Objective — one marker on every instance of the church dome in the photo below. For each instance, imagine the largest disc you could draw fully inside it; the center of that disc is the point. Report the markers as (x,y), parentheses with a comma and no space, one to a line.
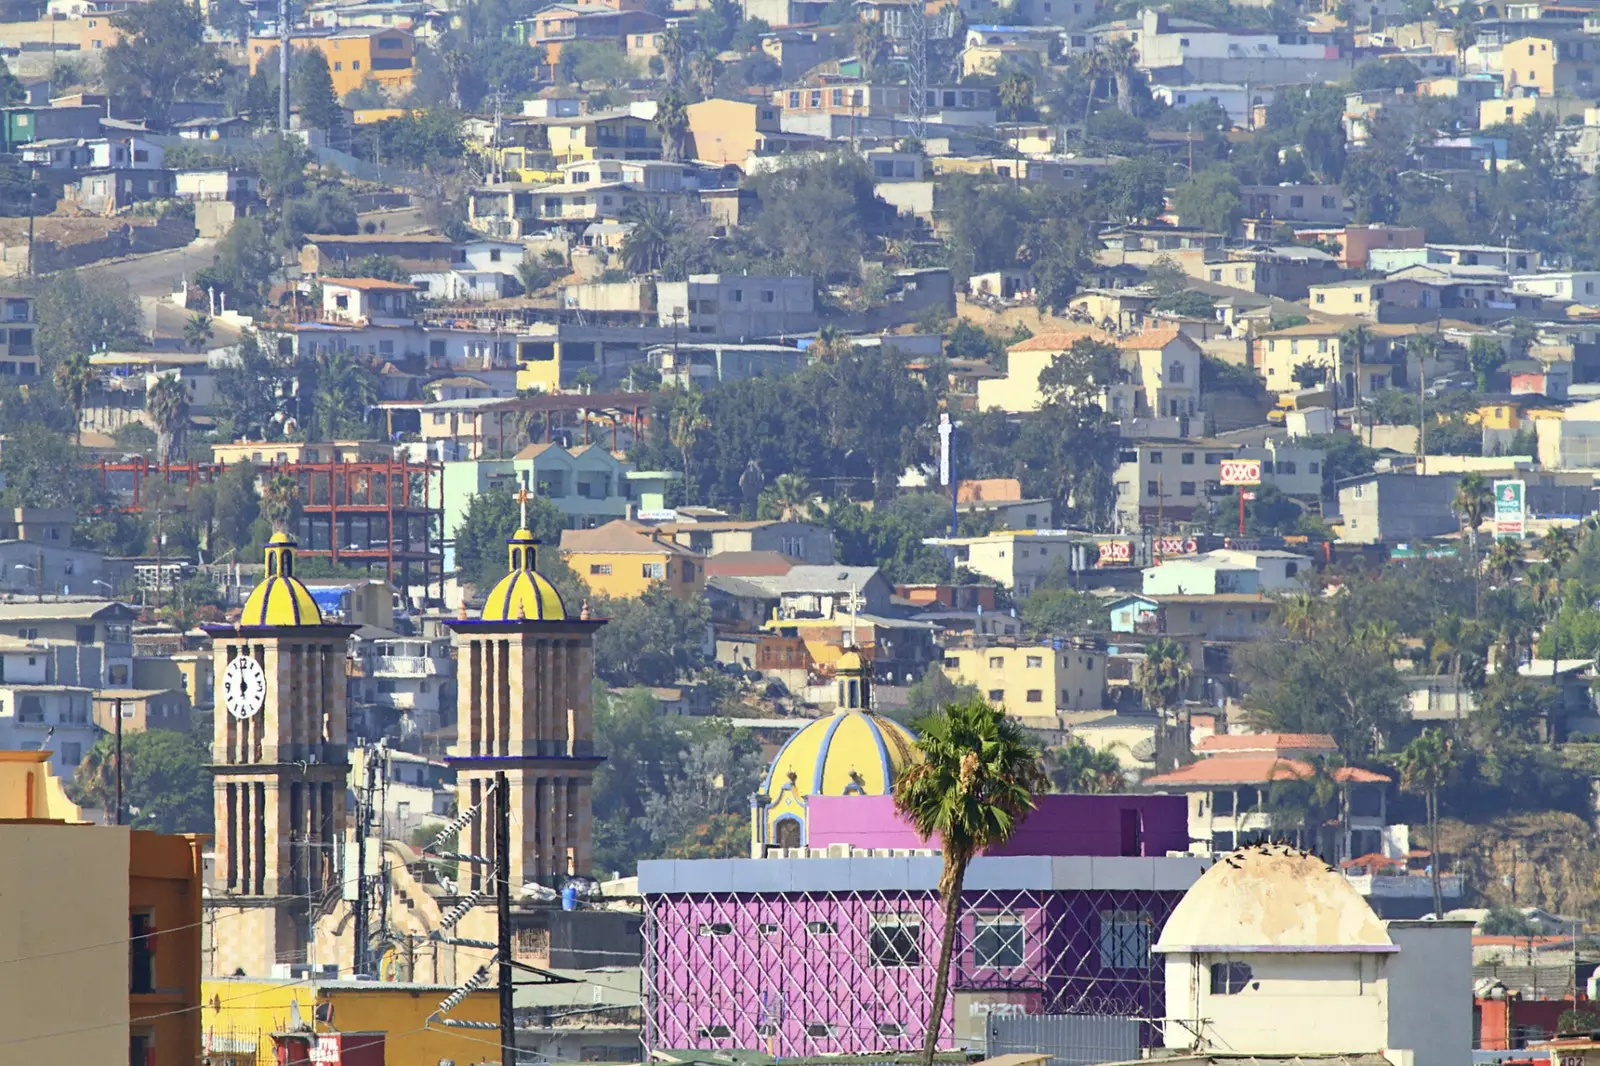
(852,752)
(280,599)
(523,594)
(1271,897)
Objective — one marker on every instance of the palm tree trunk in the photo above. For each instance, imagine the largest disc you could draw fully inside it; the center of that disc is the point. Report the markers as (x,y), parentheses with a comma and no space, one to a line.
(1433,846)
(955,873)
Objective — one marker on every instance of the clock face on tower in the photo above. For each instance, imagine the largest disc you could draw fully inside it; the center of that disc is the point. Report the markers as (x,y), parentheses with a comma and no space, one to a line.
(244,687)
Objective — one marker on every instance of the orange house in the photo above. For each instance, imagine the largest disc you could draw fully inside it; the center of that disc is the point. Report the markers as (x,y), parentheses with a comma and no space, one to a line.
(386,54)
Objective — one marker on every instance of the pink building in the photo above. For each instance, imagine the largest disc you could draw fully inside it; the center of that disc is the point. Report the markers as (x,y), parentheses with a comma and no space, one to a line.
(834,952)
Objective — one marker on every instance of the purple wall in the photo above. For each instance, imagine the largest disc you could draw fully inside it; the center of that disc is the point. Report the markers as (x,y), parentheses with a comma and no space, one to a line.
(1061,825)
(797,974)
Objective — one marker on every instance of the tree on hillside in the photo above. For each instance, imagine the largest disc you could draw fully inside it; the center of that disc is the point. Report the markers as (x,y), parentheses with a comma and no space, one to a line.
(84,313)
(672,123)
(167,401)
(162,54)
(655,638)
(975,783)
(1077,768)
(491,518)
(72,376)
(1210,200)
(1426,765)
(251,390)
(197,332)
(165,784)
(313,91)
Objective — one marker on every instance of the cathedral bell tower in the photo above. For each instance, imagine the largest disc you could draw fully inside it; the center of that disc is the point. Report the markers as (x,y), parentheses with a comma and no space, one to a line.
(523,676)
(279,768)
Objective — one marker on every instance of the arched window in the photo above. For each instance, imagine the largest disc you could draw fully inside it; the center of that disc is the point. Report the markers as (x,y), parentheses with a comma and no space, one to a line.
(788,833)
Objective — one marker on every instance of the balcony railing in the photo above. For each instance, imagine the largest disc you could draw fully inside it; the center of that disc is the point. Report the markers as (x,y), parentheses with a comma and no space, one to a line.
(405,666)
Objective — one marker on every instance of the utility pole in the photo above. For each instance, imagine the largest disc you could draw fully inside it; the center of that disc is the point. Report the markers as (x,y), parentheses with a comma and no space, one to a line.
(502,902)
(116,712)
(283,66)
(363,934)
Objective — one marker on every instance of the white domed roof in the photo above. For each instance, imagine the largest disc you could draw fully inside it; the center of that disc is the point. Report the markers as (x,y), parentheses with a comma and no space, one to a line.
(1272,897)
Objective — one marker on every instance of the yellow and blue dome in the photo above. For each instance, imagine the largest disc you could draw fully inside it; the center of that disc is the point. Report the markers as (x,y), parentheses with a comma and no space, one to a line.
(853,752)
(280,599)
(524,594)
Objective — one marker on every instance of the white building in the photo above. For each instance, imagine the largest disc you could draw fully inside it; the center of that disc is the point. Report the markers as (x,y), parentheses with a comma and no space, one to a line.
(1236,100)
(1272,953)
(59,718)
(1579,285)
(737,305)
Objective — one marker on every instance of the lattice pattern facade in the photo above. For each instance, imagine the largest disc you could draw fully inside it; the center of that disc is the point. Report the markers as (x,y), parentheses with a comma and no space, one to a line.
(847,971)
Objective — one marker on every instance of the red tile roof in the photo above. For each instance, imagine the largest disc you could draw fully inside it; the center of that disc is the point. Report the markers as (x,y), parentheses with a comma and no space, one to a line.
(1265,742)
(1250,770)
(1148,339)
(1059,340)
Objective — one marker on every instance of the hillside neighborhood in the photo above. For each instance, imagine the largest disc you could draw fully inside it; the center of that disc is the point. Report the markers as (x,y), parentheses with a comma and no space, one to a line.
(728,532)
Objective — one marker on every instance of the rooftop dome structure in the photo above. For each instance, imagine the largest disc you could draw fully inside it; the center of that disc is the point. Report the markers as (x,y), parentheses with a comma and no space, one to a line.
(524,594)
(280,599)
(1272,898)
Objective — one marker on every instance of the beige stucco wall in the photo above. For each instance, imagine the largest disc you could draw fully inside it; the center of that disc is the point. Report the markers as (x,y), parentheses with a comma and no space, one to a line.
(64,934)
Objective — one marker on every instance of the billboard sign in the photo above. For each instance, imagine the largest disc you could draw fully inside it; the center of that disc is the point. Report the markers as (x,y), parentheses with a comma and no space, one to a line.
(1241,471)
(1510,510)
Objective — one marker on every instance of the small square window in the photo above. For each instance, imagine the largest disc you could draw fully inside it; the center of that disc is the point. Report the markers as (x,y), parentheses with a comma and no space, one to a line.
(1035,695)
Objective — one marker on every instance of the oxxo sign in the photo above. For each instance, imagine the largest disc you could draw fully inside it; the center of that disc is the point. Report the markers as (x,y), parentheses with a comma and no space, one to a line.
(1241,471)
(1168,546)
(1116,552)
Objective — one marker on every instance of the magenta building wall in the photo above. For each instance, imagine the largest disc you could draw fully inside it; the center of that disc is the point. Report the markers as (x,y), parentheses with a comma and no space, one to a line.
(815,955)
(1060,825)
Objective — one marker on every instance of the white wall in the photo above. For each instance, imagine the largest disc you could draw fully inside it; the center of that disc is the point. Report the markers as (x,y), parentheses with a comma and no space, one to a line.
(1430,998)
(1295,1003)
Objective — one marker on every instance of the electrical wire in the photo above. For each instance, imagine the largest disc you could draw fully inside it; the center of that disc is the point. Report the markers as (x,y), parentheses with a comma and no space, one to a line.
(301,897)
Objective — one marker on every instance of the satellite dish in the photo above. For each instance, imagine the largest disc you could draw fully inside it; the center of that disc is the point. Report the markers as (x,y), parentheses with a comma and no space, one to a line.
(295,1021)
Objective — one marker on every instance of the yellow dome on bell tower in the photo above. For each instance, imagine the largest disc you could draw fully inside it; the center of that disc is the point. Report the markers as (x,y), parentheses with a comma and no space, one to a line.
(524,594)
(280,599)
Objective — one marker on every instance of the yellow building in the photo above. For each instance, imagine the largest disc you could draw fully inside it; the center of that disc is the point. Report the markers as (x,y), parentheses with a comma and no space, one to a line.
(1032,680)
(620,559)
(101,960)
(388,56)
(240,1014)
(297,451)
(1544,66)
(854,752)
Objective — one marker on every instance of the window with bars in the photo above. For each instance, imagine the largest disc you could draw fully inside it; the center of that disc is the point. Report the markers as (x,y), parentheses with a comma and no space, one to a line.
(998,941)
(896,940)
(1124,940)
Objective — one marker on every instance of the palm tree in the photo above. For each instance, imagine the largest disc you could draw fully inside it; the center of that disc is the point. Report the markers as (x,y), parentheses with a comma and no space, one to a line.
(1162,678)
(1426,766)
(672,123)
(1302,615)
(1504,559)
(1305,802)
(687,420)
(1016,96)
(1354,340)
(1076,767)
(974,784)
(168,405)
(1557,547)
(345,392)
(647,244)
(674,49)
(197,332)
(1121,56)
(704,68)
(1451,639)
(280,501)
(1471,505)
(72,378)
(1092,65)
(791,498)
